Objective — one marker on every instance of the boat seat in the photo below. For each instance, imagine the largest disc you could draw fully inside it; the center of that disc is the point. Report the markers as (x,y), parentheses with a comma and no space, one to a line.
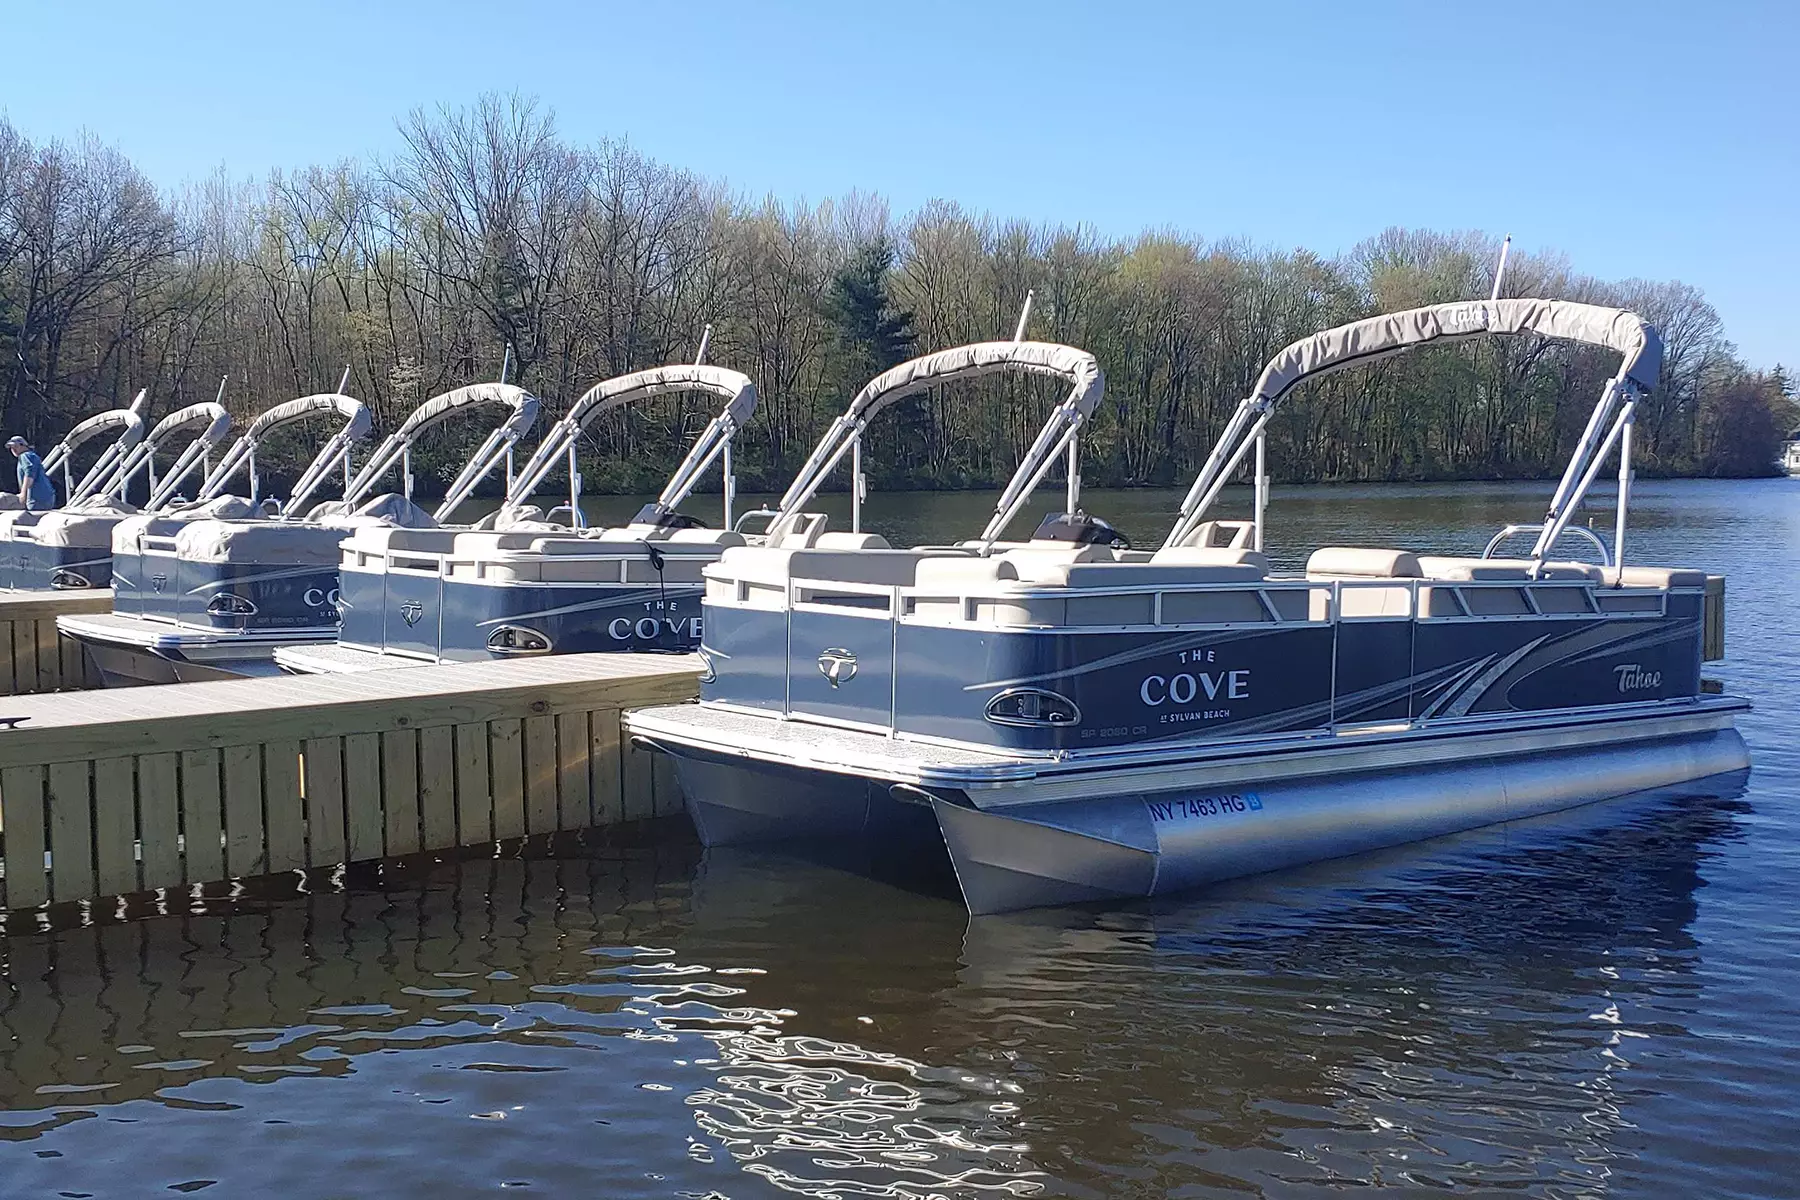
(771,566)
(1220,535)
(1477,569)
(1660,577)
(708,537)
(1211,556)
(851,541)
(1359,562)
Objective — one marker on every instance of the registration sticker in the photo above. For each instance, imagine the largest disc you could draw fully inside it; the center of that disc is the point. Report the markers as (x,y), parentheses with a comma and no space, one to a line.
(1193,808)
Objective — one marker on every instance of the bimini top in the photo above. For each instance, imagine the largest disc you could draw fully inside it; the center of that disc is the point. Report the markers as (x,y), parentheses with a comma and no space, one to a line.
(1396,333)
(242,454)
(734,387)
(1376,338)
(206,422)
(518,406)
(124,422)
(1075,367)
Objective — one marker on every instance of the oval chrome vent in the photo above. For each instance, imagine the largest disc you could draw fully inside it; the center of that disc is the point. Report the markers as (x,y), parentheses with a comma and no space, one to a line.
(517,640)
(229,604)
(69,580)
(1033,708)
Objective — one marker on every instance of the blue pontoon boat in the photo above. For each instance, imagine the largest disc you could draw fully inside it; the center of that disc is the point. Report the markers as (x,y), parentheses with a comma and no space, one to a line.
(1082,721)
(71,547)
(246,587)
(525,582)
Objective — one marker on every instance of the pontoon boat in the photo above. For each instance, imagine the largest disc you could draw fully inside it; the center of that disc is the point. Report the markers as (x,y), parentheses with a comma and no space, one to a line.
(170,608)
(1084,722)
(20,564)
(518,584)
(71,547)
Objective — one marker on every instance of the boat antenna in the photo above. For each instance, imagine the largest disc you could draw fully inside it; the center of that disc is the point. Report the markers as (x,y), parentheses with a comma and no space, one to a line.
(705,338)
(1500,270)
(137,402)
(344,380)
(1024,316)
(506,362)
(220,397)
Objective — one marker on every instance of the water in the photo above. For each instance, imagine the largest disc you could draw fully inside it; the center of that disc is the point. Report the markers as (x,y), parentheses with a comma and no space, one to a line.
(1597,1004)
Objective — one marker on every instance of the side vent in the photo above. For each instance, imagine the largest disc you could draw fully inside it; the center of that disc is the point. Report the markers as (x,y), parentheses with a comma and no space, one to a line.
(515,641)
(69,580)
(1032,708)
(228,604)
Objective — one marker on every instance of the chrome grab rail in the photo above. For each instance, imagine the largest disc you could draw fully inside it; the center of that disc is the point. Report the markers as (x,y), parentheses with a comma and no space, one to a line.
(1514,530)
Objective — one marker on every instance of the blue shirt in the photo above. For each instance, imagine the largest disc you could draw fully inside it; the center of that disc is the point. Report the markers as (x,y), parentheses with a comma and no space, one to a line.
(34,483)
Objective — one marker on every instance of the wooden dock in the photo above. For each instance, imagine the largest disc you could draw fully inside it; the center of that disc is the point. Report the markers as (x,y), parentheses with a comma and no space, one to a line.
(34,658)
(112,792)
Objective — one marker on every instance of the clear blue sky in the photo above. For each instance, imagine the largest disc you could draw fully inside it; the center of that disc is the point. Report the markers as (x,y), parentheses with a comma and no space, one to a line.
(1643,139)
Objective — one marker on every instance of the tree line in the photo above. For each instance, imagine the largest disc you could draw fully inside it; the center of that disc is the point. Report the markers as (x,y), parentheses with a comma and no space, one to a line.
(487,236)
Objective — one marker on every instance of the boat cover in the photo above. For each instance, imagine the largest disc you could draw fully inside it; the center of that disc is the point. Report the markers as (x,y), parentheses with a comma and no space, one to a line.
(269,543)
(1396,333)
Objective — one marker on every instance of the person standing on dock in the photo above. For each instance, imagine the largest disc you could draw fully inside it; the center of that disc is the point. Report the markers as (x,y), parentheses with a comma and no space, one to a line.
(35,489)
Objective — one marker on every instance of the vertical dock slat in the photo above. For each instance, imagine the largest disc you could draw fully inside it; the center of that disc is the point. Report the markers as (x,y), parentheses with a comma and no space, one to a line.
(573,746)
(540,774)
(71,668)
(24,647)
(71,831)
(474,791)
(115,825)
(324,782)
(506,760)
(22,820)
(49,655)
(636,783)
(400,790)
(437,787)
(245,852)
(159,819)
(362,796)
(284,811)
(606,804)
(202,817)
(7,681)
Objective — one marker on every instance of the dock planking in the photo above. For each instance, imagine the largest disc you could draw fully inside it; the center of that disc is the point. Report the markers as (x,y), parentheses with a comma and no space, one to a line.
(34,657)
(112,792)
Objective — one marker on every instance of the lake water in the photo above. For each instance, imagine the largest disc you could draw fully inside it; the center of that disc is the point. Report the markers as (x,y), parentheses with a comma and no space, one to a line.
(1601,1004)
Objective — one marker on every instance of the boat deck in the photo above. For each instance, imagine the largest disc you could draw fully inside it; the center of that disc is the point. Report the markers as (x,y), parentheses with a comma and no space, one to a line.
(1009,778)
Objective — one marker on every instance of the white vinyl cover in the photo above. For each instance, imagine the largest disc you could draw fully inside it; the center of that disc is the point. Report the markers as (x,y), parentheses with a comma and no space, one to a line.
(1396,333)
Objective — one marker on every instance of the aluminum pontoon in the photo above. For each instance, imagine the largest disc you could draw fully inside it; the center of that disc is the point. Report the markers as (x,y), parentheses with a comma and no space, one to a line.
(1082,722)
(19,561)
(71,547)
(520,584)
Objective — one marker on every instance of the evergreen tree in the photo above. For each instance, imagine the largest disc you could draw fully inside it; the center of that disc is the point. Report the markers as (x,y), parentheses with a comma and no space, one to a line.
(868,325)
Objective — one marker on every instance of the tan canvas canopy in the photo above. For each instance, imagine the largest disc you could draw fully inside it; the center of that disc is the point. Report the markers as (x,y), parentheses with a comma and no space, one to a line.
(1396,333)
(734,387)
(1077,368)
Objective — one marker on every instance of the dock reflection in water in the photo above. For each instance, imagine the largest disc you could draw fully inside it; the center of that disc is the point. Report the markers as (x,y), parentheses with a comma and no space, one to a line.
(643,1020)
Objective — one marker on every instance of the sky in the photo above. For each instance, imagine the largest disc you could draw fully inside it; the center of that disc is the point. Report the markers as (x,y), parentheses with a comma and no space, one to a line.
(1646,139)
